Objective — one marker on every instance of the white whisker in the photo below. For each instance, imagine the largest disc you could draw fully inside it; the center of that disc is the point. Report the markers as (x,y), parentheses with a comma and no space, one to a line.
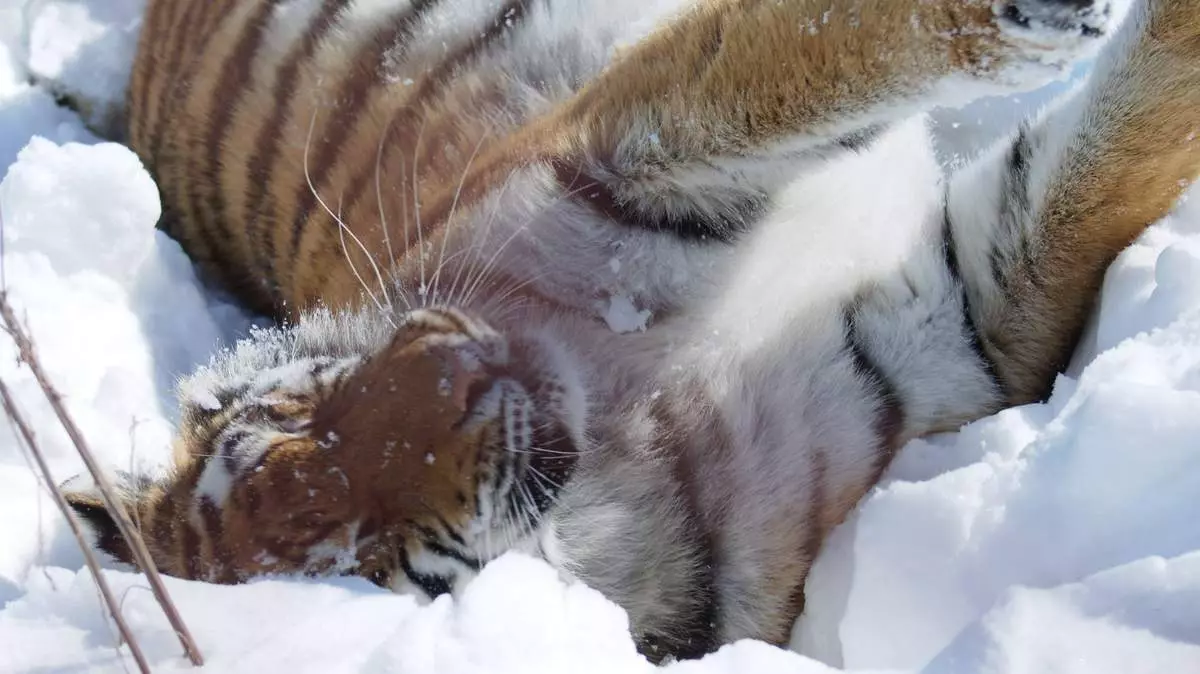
(454,207)
(531,509)
(468,295)
(508,292)
(542,476)
(423,289)
(486,232)
(387,238)
(534,450)
(343,229)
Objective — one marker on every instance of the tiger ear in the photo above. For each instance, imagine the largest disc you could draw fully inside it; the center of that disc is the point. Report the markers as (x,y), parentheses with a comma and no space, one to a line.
(88,503)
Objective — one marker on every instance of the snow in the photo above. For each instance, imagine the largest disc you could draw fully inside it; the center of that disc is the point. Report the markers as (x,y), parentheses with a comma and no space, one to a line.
(1053,537)
(622,315)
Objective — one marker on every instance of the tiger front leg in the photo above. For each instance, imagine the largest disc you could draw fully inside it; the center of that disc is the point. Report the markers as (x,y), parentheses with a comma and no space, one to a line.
(727,77)
(695,126)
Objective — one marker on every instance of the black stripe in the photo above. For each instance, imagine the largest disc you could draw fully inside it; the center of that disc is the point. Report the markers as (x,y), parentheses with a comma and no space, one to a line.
(220,567)
(692,635)
(319,367)
(449,531)
(180,66)
(889,417)
(261,209)
(234,79)
(200,461)
(163,529)
(227,397)
(430,584)
(814,532)
(506,470)
(159,17)
(230,444)
(432,540)
(969,328)
(477,478)
(189,542)
(449,553)
(1014,210)
(719,227)
(174,141)
(163,523)
(1019,154)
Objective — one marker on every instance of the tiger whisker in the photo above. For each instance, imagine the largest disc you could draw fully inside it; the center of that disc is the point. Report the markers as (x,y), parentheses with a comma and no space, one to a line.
(551,494)
(477,284)
(454,207)
(433,293)
(486,232)
(342,226)
(497,311)
(531,511)
(477,274)
(387,238)
(533,451)
(404,205)
(513,288)
(423,289)
(542,476)
(346,253)
(523,494)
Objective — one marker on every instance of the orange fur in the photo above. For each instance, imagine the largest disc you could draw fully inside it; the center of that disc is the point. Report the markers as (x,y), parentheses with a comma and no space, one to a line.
(301,494)
(727,77)
(1097,207)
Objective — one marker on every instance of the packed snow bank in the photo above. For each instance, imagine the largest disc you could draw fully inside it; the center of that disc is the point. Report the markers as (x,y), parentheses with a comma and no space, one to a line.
(1058,537)
(108,302)
(77,49)
(1096,488)
(516,618)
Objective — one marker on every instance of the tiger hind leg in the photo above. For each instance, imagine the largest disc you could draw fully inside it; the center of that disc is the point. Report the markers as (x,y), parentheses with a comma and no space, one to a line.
(1072,189)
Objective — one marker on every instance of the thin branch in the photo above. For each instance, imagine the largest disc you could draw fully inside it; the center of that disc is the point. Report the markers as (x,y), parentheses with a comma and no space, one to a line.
(112,502)
(15,417)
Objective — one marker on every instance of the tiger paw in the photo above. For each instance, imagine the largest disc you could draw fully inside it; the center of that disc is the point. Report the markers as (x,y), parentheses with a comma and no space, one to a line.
(1057,32)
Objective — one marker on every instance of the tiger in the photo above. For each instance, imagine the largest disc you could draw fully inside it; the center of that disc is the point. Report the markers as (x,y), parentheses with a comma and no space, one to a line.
(651,290)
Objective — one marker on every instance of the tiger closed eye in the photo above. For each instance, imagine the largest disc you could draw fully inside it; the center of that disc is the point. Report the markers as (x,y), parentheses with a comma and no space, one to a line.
(287,416)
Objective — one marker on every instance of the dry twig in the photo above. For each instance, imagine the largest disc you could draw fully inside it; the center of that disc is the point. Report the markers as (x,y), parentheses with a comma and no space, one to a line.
(111,500)
(18,420)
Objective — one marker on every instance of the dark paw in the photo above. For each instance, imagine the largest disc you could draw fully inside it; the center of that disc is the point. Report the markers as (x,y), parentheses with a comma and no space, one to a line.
(1050,21)
(1047,37)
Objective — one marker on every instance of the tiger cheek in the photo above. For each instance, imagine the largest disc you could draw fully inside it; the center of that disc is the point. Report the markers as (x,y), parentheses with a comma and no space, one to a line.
(399,424)
(447,480)
(297,499)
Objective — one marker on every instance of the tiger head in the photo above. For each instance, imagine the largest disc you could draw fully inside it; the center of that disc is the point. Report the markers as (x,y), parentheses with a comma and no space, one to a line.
(408,454)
